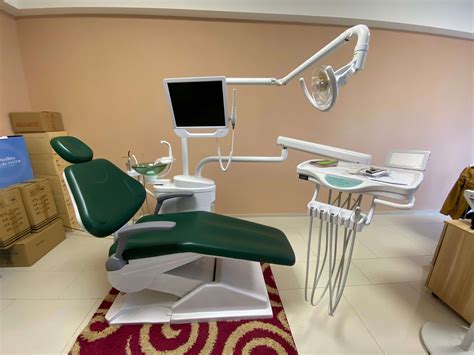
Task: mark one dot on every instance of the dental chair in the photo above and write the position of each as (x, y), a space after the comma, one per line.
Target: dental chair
(179, 267)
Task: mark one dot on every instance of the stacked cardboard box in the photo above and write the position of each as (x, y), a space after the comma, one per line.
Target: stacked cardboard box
(47, 164)
(27, 207)
(13, 219)
(38, 202)
(42, 121)
(30, 249)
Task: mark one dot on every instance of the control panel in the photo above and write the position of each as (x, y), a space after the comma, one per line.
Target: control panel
(342, 182)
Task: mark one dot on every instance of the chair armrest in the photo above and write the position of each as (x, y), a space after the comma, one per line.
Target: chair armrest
(163, 198)
(116, 262)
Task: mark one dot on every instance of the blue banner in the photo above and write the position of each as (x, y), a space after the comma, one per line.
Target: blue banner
(15, 163)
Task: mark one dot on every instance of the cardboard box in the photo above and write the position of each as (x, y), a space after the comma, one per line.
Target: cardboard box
(69, 222)
(38, 143)
(30, 249)
(13, 219)
(64, 204)
(66, 211)
(43, 121)
(15, 164)
(39, 202)
(58, 185)
(45, 164)
(63, 201)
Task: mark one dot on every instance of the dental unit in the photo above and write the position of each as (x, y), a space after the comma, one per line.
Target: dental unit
(185, 263)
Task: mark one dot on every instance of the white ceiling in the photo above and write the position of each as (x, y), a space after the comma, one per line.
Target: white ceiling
(444, 17)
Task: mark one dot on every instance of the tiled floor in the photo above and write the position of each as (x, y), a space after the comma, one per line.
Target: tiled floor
(44, 307)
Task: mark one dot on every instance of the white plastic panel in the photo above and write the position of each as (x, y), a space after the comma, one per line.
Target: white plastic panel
(408, 159)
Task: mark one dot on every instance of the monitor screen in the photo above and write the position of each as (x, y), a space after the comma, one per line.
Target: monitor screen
(198, 103)
(408, 159)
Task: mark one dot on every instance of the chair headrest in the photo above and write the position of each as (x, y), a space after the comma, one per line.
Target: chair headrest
(71, 149)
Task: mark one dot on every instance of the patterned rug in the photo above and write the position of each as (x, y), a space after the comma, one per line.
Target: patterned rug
(265, 336)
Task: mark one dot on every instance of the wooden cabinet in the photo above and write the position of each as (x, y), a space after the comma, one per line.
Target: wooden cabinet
(451, 277)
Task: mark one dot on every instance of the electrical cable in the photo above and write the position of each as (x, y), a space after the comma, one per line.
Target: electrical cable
(233, 118)
(224, 169)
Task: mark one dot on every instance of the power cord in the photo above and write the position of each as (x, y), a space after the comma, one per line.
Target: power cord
(233, 119)
(224, 169)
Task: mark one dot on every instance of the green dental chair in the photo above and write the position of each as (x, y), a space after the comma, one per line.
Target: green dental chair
(179, 267)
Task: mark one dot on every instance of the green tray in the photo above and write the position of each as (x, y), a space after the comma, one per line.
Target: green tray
(149, 169)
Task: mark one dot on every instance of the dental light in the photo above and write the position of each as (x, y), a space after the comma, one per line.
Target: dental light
(325, 80)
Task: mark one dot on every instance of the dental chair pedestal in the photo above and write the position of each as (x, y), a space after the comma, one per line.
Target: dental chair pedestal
(189, 293)
(439, 338)
(175, 267)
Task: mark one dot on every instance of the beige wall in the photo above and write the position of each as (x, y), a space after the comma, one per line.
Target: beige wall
(472, 100)
(13, 89)
(105, 76)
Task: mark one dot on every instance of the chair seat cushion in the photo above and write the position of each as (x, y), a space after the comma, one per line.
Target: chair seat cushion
(210, 234)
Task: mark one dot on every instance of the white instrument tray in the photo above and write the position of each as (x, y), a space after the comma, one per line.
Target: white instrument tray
(398, 184)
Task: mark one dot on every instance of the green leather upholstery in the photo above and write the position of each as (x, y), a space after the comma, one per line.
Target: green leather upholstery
(105, 196)
(72, 149)
(210, 234)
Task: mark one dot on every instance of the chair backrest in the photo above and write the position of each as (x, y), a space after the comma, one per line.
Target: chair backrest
(105, 198)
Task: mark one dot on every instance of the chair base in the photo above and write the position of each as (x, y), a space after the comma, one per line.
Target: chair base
(237, 292)
(441, 338)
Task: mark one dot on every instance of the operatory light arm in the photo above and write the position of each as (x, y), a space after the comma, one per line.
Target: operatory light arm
(339, 77)
(360, 53)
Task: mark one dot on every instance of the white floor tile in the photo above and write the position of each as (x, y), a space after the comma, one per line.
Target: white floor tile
(317, 332)
(282, 222)
(395, 313)
(285, 277)
(389, 241)
(4, 304)
(403, 218)
(82, 234)
(81, 326)
(35, 284)
(73, 274)
(355, 277)
(420, 286)
(338, 353)
(391, 270)
(78, 254)
(360, 250)
(74, 254)
(247, 218)
(298, 244)
(424, 234)
(294, 277)
(89, 284)
(41, 326)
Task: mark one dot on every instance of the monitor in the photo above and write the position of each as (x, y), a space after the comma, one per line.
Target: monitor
(198, 104)
(408, 159)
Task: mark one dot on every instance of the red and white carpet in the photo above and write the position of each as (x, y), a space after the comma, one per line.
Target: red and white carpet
(264, 336)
